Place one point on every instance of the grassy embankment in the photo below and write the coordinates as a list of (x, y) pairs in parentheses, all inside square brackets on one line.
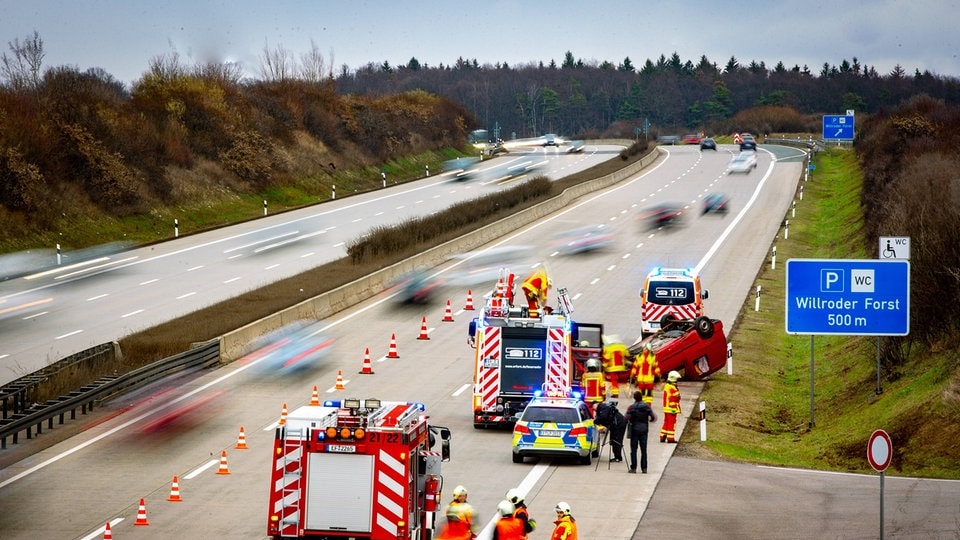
[(761, 413)]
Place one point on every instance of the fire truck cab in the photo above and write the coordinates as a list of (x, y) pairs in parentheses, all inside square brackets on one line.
[(363, 469), (675, 293)]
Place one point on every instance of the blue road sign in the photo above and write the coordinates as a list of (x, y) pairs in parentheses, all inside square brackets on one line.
[(838, 127), (863, 297)]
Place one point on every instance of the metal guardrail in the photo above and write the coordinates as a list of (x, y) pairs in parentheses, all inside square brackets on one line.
[(33, 418), (814, 145)]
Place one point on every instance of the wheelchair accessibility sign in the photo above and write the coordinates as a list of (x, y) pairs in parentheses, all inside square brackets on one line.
[(894, 247)]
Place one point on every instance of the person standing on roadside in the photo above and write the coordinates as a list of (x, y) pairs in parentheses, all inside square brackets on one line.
[(671, 408), (461, 519), (638, 418), (566, 526), (520, 511), (609, 417), (645, 372), (508, 527)]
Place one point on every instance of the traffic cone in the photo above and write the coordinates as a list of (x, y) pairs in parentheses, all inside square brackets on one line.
[(223, 463), (283, 415), (423, 330), (315, 397), (392, 353), (469, 305), (175, 491), (107, 535), (367, 367), (241, 440), (447, 314), (141, 514), (340, 385), (499, 291)]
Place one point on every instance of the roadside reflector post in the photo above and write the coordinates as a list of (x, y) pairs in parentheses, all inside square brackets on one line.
[(703, 421), (59, 255), (801, 192), (756, 305), (264, 207), (176, 228), (428, 169), (333, 195), (729, 358), (793, 212), (786, 229), (773, 259)]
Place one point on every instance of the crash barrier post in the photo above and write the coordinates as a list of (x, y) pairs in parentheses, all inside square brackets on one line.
[(703, 421), (756, 305)]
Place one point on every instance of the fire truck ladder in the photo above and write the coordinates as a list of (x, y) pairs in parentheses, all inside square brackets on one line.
[(290, 490)]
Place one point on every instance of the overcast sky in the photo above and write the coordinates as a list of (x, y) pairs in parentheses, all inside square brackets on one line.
[(122, 36)]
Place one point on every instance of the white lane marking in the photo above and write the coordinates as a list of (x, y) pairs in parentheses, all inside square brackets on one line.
[(131, 314), (189, 294), (97, 297), (75, 332), (231, 280), (196, 472), (195, 268)]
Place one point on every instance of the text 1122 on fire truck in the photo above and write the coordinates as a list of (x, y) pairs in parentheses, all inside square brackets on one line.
[(360, 469)]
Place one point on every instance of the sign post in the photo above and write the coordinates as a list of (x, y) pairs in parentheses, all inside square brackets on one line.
[(879, 454)]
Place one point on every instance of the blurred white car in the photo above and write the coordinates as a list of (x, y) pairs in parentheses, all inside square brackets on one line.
[(581, 240), (744, 162)]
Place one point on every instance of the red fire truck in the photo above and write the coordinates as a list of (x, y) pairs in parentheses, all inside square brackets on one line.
[(362, 469)]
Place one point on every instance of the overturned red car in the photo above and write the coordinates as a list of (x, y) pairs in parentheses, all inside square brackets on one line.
[(695, 348)]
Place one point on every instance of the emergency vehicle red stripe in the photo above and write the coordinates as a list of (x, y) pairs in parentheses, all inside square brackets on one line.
[(489, 380), (389, 494)]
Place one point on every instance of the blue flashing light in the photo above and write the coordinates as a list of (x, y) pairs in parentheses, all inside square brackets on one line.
[(332, 403), (538, 393), (576, 395)]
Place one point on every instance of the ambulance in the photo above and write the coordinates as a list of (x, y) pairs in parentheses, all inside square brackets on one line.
[(675, 293)]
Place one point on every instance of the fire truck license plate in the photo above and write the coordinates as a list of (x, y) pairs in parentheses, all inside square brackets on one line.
[(342, 448)]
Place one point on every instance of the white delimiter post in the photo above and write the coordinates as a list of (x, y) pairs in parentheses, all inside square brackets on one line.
[(703, 421), (729, 358), (756, 306)]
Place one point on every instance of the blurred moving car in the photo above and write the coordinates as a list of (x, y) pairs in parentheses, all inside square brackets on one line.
[(550, 139), (662, 215), (691, 138), (744, 162), (747, 142), (292, 348), (574, 147), (415, 287), (708, 144), (558, 427), (695, 348), (483, 267), (581, 240), (715, 203)]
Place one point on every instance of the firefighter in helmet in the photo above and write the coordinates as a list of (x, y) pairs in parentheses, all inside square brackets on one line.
[(671, 408), (520, 511), (536, 288), (508, 527), (566, 526), (615, 355), (461, 519), (645, 372), (593, 385)]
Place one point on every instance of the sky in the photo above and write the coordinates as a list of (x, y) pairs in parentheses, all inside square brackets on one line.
[(123, 36)]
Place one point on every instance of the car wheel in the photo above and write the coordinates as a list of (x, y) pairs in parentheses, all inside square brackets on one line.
[(666, 321), (517, 458), (704, 327), (585, 460)]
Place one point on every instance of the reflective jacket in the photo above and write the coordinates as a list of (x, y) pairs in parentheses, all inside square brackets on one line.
[(566, 529), (594, 387), (509, 528), (671, 398), (459, 522), (645, 368), (615, 358)]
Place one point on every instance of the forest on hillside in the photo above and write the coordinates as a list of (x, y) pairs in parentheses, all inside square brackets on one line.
[(577, 98)]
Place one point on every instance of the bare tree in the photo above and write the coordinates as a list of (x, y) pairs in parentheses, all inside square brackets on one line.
[(167, 66), (223, 72), (276, 65), (313, 66), (22, 69)]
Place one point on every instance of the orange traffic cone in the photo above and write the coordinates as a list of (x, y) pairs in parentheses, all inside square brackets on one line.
[(141, 514), (469, 305), (423, 330), (241, 440), (315, 397), (107, 535), (392, 353), (367, 367), (447, 314), (500, 286), (283, 414), (340, 385), (175, 491), (223, 463)]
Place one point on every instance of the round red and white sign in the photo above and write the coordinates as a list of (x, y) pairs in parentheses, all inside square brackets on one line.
[(879, 450)]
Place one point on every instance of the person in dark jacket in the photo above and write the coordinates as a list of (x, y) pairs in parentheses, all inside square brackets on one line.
[(638, 417), (610, 417)]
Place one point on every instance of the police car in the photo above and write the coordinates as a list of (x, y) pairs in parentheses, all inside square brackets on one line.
[(556, 426)]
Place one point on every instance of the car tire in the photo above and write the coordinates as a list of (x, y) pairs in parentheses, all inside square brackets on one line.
[(666, 321), (517, 458), (585, 460), (704, 327)]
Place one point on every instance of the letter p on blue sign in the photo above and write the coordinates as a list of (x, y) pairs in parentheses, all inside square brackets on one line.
[(831, 280)]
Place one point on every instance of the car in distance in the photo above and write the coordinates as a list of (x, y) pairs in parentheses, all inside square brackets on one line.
[(581, 240), (744, 162), (550, 139), (708, 143), (715, 203), (691, 138), (668, 139), (556, 427), (747, 142)]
